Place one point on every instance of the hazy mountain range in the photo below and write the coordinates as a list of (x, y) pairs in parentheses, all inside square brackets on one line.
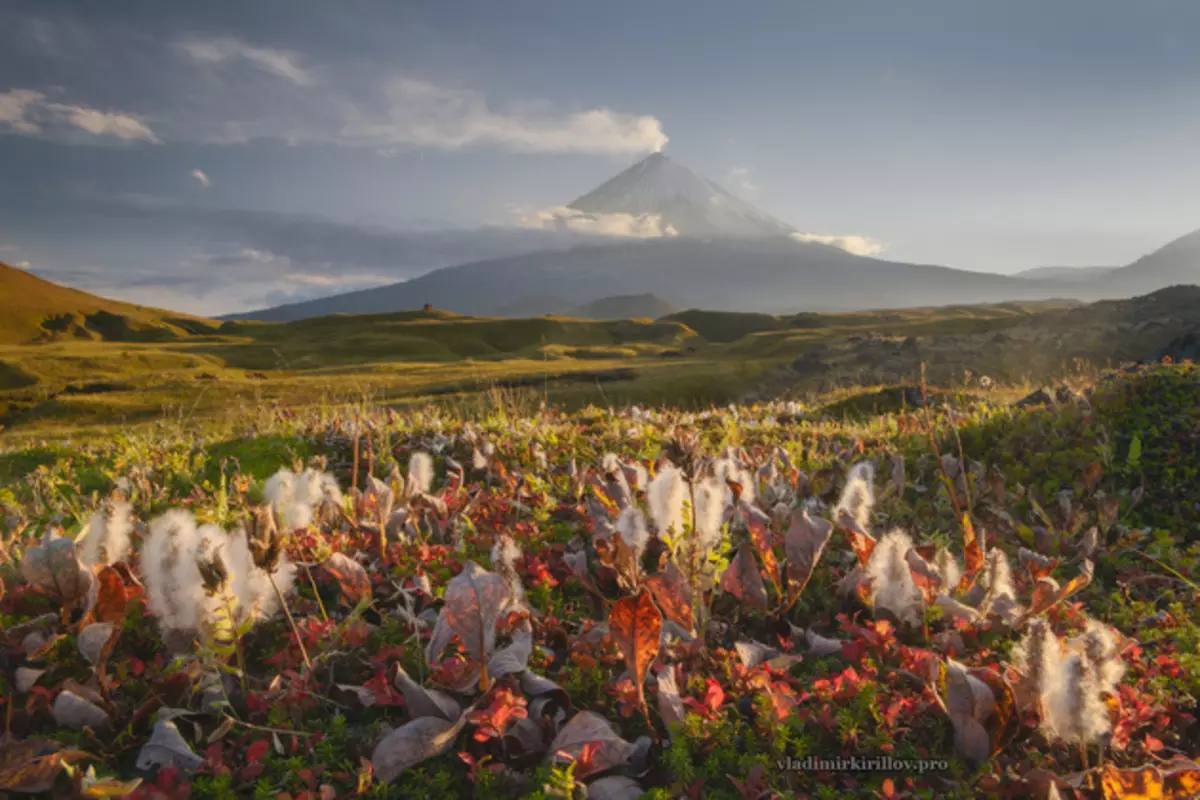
[(659, 228)]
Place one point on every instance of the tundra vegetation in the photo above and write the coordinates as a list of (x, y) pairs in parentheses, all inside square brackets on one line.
[(537, 602)]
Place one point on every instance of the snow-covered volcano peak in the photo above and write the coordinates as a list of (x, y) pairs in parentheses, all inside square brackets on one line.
[(684, 201)]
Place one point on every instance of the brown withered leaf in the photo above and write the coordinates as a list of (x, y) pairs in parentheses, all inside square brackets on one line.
[(742, 579), (1043, 601), (995, 482), (670, 704), (588, 728), (414, 742), (968, 702), (804, 543), (351, 577), (635, 625), (973, 553), (1004, 723), (31, 766), (614, 553), (1092, 475), (673, 594), (422, 702), (473, 602)]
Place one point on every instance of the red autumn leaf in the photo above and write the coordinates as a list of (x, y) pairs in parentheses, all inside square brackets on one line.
[(742, 579), (714, 698), (350, 576), (673, 595), (258, 751), (635, 625)]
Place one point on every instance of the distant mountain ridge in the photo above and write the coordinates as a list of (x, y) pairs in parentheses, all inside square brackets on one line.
[(1064, 273), (710, 249)]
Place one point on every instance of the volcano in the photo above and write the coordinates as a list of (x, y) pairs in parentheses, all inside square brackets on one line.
[(682, 202), (697, 246)]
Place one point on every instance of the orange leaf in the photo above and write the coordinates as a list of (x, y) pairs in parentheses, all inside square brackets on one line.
[(110, 597), (635, 625), (760, 536), (27, 767), (1181, 779), (860, 541), (1045, 599), (673, 594), (972, 553)]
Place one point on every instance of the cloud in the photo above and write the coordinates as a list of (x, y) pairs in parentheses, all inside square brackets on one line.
[(31, 113), (201, 177), (417, 113), (387, 112), (24, 264), (858, 245), (618, 224), (740, 177), (281, 63)]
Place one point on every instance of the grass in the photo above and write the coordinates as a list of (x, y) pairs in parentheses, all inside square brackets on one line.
[(1134, 442), (71, 385)]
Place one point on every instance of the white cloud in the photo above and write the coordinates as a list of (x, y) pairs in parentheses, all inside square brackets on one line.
[(251, 264), (277, 62), (24, 264), (388, 112), (740, 176), (858, 245), (618, 224), (201, 177), (31, 113), (418, 113)]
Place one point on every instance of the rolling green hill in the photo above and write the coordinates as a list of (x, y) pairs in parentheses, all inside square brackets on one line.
[(37, 310)]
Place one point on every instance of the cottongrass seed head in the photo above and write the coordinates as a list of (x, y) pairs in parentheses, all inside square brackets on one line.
[(665, 496), (108, 535), (892, 580), (858, 497), (296, 498)]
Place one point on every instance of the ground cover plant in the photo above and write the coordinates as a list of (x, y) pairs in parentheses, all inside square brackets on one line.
[(614, 603)]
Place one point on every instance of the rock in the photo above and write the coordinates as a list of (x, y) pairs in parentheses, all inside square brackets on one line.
[(1182, 348), (1039, 398)]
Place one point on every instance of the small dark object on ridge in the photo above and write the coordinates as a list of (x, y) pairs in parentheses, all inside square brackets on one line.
[(1039, 398)]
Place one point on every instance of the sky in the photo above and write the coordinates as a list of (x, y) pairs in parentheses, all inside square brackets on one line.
[(221, 156)]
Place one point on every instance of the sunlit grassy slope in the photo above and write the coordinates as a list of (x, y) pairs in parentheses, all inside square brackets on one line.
[(70, 361), (33, 309)]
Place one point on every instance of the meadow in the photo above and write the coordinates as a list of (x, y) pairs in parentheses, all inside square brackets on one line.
[(506, 599), (427, 555)]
